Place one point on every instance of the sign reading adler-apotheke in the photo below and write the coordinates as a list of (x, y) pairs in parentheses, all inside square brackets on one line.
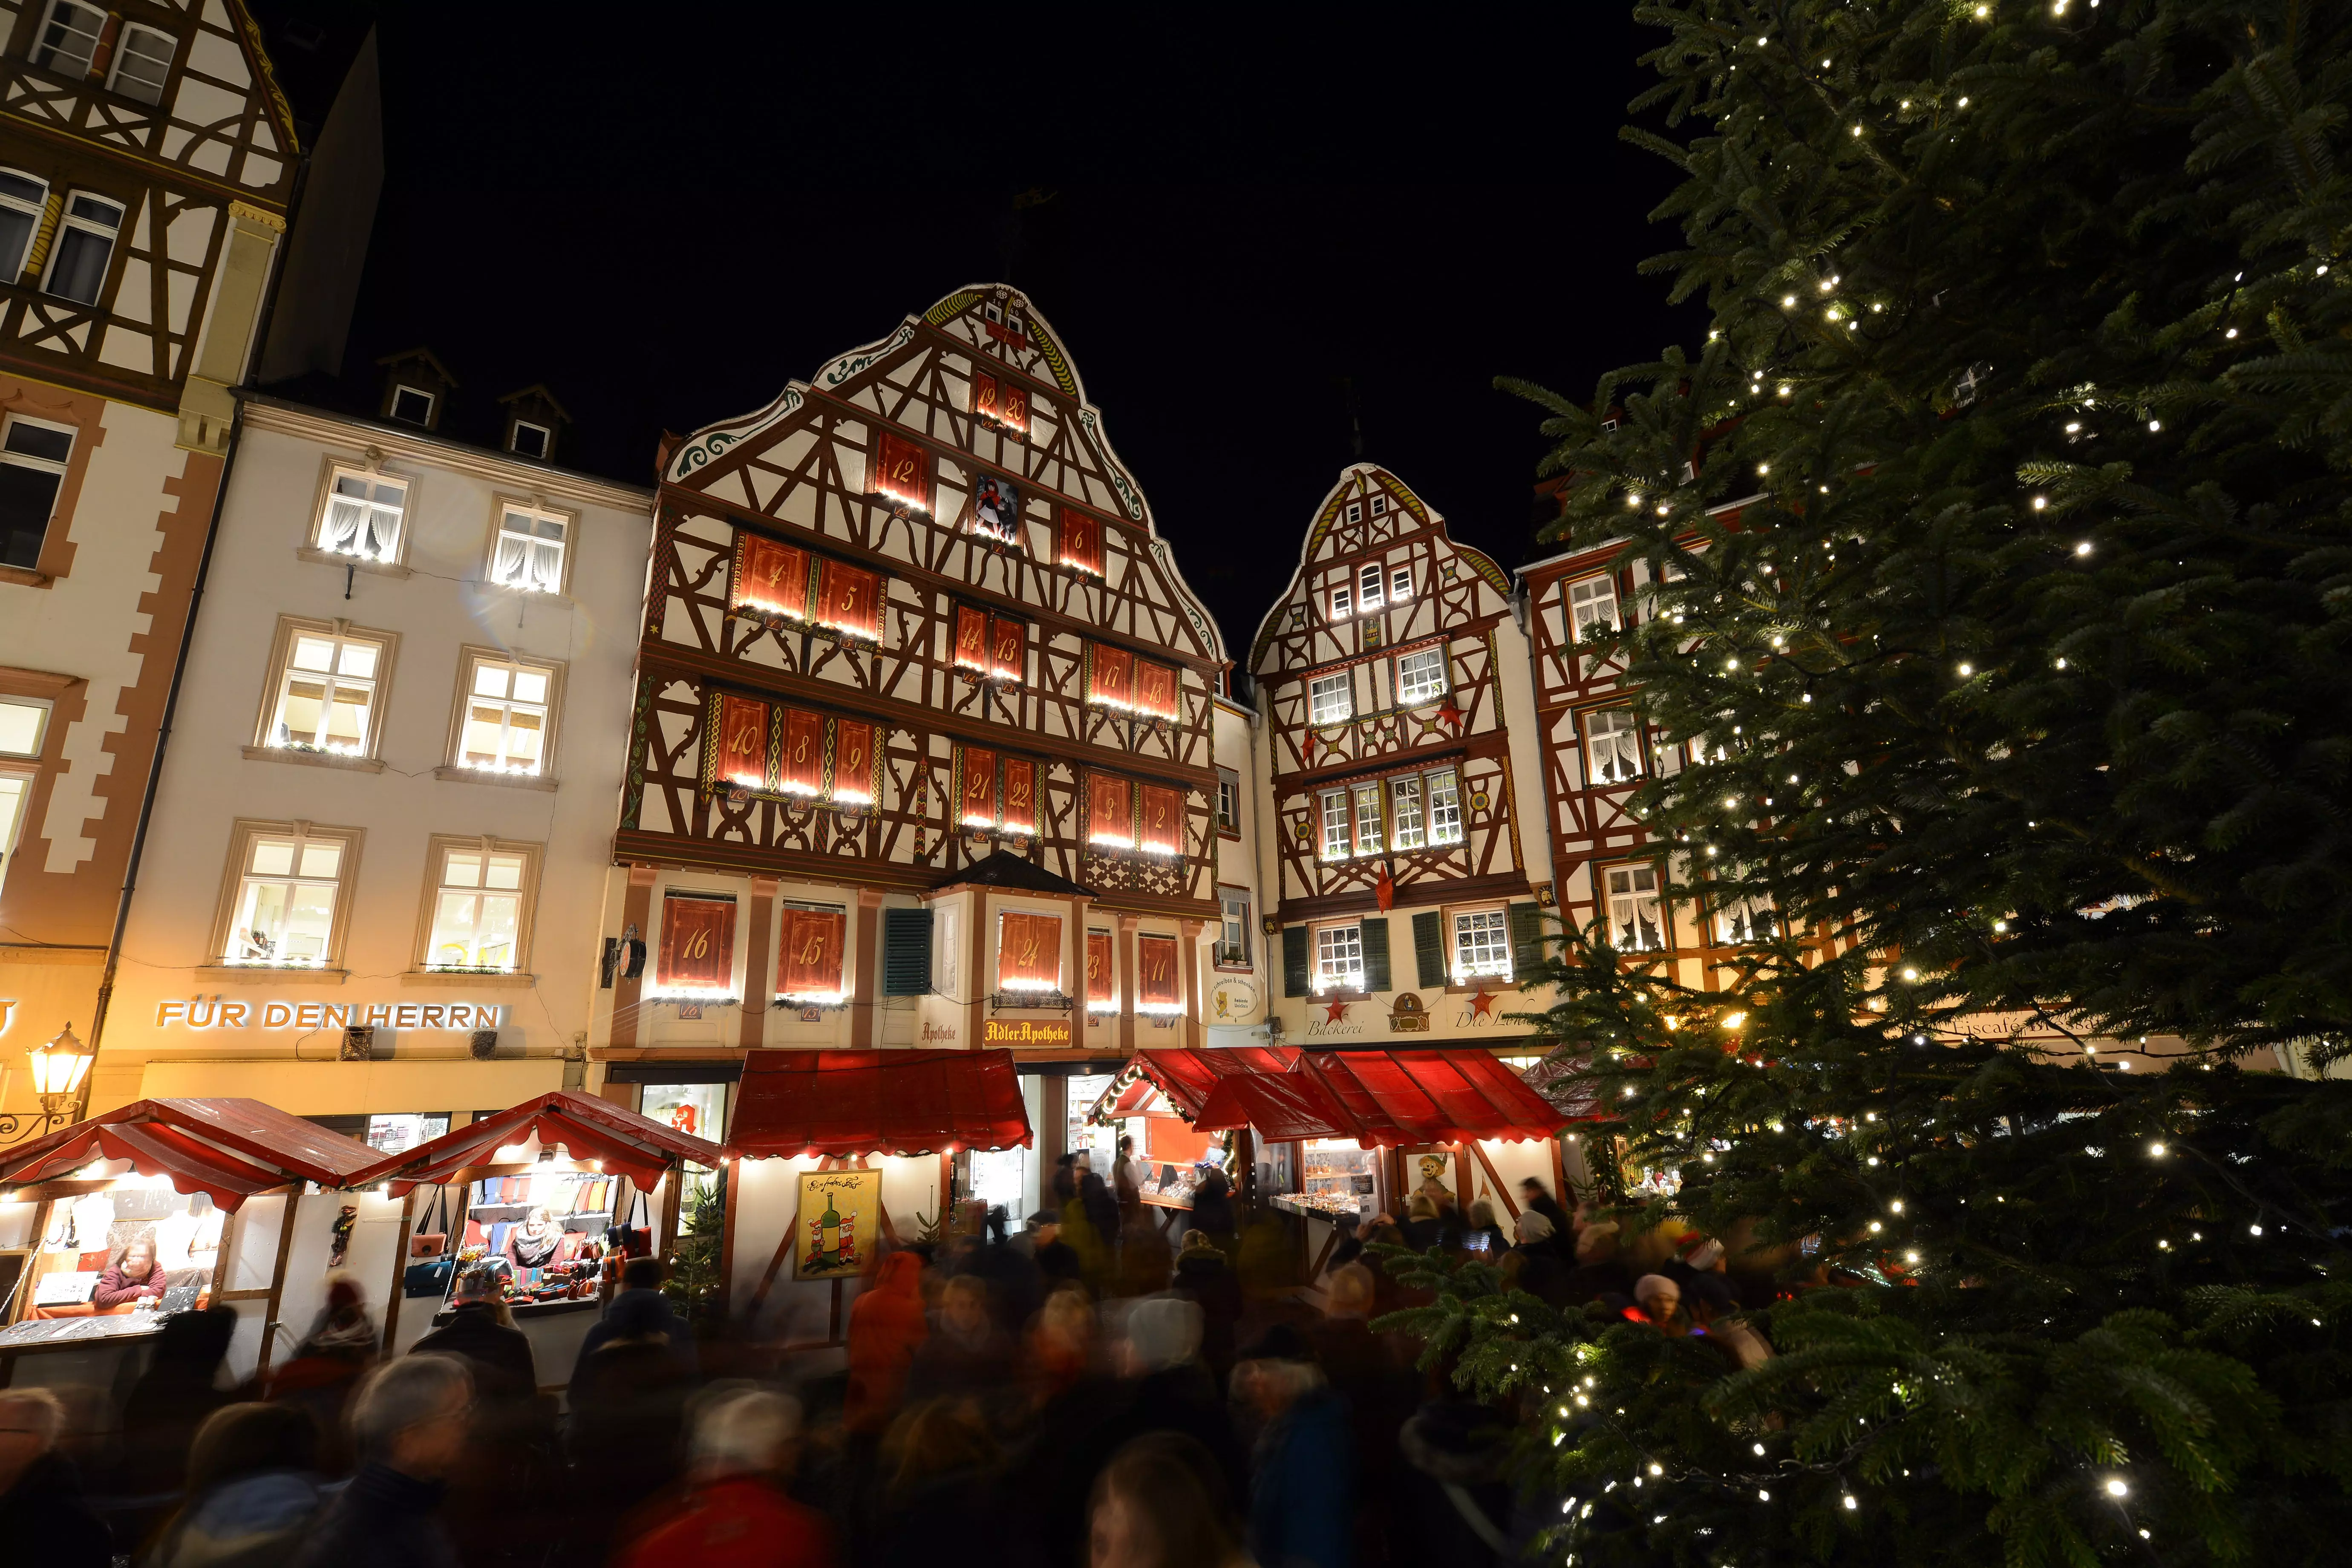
[(227, 1015), (1027, 1032)]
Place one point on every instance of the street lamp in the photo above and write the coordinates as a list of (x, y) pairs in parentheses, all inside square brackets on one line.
[(58, 1069)]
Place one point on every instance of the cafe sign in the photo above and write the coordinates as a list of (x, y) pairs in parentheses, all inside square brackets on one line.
[(272, 1014)]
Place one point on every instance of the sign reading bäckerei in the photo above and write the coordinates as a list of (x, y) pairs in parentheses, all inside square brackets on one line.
[(1027, 1032), (225, 1014)]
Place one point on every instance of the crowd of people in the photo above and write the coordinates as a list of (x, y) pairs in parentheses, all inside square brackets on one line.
[(1079, 1395)]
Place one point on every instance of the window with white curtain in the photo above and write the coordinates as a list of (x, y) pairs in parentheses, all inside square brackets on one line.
[(1636, 924), (363, 514), (1740, 921), (288, 885), (1482, 945), (506, 727), (1613, 746), (530, 550), (1592, 606)]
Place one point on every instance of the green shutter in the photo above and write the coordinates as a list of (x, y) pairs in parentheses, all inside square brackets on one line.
[(1295, 978), (1429, 949), (1526, 939), (1376, 955), (906, 953)]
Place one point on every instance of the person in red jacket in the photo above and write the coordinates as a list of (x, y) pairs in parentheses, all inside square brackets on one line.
[(887, 1327), (734, 1509), (133, 1275)]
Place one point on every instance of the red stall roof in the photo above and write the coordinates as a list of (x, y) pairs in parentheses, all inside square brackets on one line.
[(226, 1149), (866, 1102), (585, 1127), (1187, 1077), (1384, 1098)]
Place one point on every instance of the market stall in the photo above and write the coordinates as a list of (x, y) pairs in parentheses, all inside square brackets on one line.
[(204, 1198), (1158, 1099), (839, 1154), (1366, 1130), (532, 1191)]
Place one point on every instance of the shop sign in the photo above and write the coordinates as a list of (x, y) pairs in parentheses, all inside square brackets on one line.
[(1408, 1016), (1027, 1032), (839, 1217), (939, 1033), (1234, 1000), (227, 1015)]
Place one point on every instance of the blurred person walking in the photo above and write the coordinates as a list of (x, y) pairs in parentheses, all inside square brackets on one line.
[(1161, 1502), (409, 1422), (1301, 1507), (939, 1503), (1373, 1377), (481, 1330), (1206, 1279), (172, 1398), (253, 1490), (510, 1442), (887, 1328), (735, 1510), (966, 1356), (628, 1408), (641, 1290), (1168, 1390), (42, 1515)]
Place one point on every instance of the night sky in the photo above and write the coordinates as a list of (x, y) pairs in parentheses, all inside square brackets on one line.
[(1240, 229)]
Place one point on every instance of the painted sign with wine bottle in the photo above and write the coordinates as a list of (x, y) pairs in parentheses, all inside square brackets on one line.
[(840, 1222)]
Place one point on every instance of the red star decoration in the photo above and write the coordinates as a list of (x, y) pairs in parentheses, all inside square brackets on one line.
[(1451, 717), (1335, 1012), (1482, 1006)]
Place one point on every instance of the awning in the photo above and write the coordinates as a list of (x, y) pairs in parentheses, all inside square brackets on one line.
[(226, 1149), (1557, 1080), (1185, 1078), (582, 1126), (1281, 1106), (1432, 1095), (866, 1102)]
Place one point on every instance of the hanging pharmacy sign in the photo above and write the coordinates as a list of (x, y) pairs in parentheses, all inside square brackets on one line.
[(202, 1014), (840, 1223)]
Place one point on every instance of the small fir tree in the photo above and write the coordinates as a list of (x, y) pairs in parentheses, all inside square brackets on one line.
[(1995, 586)]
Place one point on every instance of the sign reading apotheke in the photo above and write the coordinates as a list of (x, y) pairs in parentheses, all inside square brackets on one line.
[(227, 1015)]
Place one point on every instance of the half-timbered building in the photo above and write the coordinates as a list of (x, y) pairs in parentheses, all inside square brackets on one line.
[(1398, 742), (147, 159), (924, 726)]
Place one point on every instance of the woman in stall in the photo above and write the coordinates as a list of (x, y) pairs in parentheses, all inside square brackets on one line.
[(539, 1243), (133, 1274)]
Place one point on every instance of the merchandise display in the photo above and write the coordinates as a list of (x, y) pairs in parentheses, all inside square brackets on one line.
[(544, 1231)]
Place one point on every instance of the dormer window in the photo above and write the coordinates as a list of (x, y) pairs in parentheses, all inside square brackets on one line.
[(529, 441), (1355, 512), (142, 62), (1379, 505), (85, 245), (69, 39), (412, 406)]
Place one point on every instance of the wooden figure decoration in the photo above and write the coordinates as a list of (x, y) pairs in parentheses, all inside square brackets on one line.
[(839, 1223)]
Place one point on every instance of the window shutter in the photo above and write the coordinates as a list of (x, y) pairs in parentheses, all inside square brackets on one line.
[(906, 953), (1429, 949), (1295, 977), (1376, 955), (1527, 938)]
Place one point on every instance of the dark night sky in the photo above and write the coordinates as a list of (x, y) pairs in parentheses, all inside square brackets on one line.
[(666, 220)]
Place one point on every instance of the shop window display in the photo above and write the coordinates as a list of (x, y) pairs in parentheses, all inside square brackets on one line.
[(136, 1246)]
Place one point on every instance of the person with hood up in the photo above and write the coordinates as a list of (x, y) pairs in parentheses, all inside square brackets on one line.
[(1302, 1502), (42, 1514), (887, 1328), (253, 1490), (641, 1289), (735, 1510)]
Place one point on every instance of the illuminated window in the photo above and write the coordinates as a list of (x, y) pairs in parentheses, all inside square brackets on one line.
[(1445, 809), (1401, 582), (1367, 586), (902, 471), (1591, 607), (325, 688), (849, 598), (1636, 924), (1343, 601), (16, 790), (1229, 800), (1405, 793), (1740, 921), (531, 548), (696, 957), (24, 720), (1110, 812), (1233, 932), (1339, 825), (992, 646), (22, 198), (508, 711), (1368, 819), (143, 61), (1482, 945), (478, 893), (1613, 745), (1421, 676), (286, 897), (85, 245), (363, 514), (1082, 541), (771, 576), (1331, 698), (1164, 820), (1339, 957)]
